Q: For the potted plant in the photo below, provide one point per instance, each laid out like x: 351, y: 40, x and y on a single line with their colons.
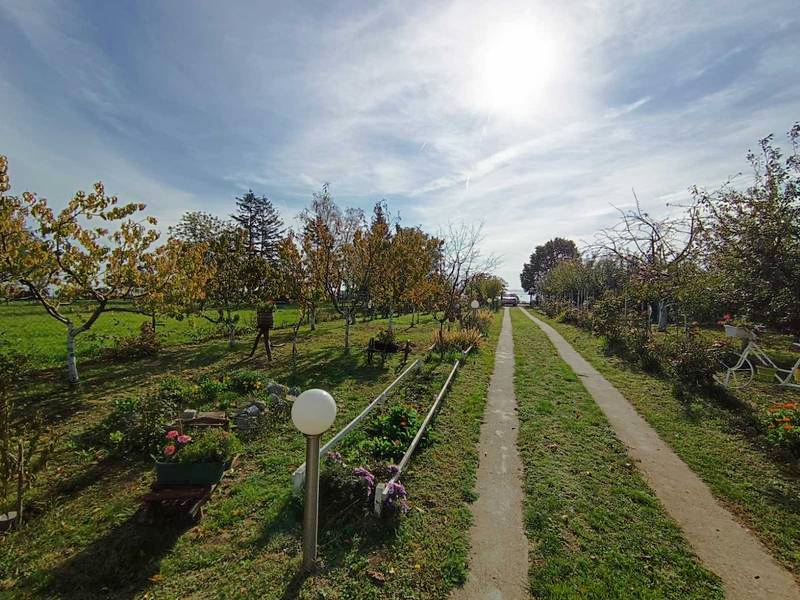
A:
x: 196, y: 460
x: 737, y: 328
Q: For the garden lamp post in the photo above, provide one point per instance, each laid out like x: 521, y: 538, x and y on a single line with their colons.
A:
x: 312, y: 413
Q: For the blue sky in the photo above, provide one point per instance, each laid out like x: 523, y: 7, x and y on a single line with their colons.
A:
x: 533, y: 117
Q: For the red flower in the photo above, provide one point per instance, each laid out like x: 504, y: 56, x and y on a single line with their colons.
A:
x: 171, y: 435
x: 184, y: 439
x: 169, y: 450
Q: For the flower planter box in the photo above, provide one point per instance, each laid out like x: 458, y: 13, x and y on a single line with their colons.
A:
x: 738, y: 332
x: 189, y: 473
x: 765, y: 374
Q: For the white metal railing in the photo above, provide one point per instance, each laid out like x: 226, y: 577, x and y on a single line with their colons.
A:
x: 299, y: 475
x: 382, y: 489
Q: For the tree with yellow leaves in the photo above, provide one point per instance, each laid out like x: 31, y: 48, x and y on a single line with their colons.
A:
x: 93, y: 253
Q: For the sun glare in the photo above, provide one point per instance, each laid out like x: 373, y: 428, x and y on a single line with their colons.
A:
x: 513, y: 69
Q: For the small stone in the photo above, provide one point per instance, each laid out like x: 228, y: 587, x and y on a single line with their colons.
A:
x: 277, y: 389
x: 294, y: 391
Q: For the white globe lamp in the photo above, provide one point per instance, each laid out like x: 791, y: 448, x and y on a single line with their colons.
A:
x: 312, y: 413
x: 474, y: 304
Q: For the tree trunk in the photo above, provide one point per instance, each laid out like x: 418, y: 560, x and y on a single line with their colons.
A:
x: 20, y: 480
x: 72, y: 367
x: 663, y: 315
x: 347, y: 333
x: 312, y: 318
x: 153, y: 321
x: 391, y: 314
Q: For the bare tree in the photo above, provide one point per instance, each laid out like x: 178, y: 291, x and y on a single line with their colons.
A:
x: 460, y: 260
x: 652, y: 249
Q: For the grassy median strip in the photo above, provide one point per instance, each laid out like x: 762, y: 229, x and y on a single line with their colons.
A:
x: 718, y: 443
x: 596, y: 529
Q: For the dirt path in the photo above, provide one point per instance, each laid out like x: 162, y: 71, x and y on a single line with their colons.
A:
x: 728, y: 549
x: 499, y: 554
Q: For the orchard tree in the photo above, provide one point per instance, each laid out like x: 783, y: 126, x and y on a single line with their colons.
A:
x: 752, y: 237
x: 175, y: 275
x: 236, y: 277
x: 654, y: 251
x: 62, y: 259
x: 296, y: 280
x: 412, y: 266
x: 460, y: 260
x: 484, y: 287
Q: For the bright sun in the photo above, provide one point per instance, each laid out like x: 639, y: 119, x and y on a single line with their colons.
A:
x: 513, y: 69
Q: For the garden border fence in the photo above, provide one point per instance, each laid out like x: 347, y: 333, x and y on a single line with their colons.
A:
x: 382, y: 489
x: 299, y: 475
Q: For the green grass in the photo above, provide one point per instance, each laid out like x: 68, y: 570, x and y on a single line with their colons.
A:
x: 596, y: 529
x: 28, y: 329
x: 717, y: 439
x: 84, y: 541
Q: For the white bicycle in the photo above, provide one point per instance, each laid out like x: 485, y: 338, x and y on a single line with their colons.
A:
x: 742, y: 371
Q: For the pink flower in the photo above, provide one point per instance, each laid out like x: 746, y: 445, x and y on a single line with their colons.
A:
x: 171, y: 435
x: 184, y: 439
x: 169, y: 450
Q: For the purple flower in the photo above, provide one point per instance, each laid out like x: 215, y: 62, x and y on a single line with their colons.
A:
x: 366, y: 476
x: 334, y: 457
x: 396, y: 497
x: 394, y: 469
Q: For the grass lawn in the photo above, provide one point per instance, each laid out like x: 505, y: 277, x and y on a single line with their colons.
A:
x: 28, y: 329
x: 718, y: 441
x: 84, y: 541
x: 596, y: 529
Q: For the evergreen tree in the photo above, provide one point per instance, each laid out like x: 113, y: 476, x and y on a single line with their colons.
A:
x: 263, y: 223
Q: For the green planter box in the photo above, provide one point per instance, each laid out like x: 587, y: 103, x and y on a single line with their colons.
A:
x: 189, y: 474
x: 766, y: 374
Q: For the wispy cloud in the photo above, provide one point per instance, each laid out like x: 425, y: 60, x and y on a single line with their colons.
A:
x: 186, y: 108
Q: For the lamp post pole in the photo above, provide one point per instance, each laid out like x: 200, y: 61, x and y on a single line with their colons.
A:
x: 312, y: 413
x: 311, y: 504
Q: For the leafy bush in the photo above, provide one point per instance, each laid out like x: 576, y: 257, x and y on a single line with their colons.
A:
x: 137, y: 346
x: 213, y: 445
x: 341, y: 485
x: 211, y: 388
x: 135, y: 426
x: 688, y: 359
x: 391, y: 433
x: 177, y: 391
x: 247, y: 381
x: 782, y: 422
x: 456, y: 340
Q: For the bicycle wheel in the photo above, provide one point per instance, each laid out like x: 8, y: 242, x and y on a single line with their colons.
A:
x: 736, y: 376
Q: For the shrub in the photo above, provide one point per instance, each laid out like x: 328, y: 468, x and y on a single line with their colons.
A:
x: 391, y: 433
x: 137, y: 346
x: 341, y: 486
x: 211, y: 388
x: 177, y: 391
x: 247, y: 381
x: 688, y: 360
x: 782, y: 422
x: 456, y: 340
x: 135, y: 426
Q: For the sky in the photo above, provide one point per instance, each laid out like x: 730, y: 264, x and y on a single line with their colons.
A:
x: 534, y: 118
